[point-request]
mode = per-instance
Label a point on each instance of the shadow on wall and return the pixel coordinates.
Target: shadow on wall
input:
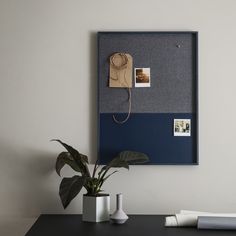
(93, 94)
(27, 186)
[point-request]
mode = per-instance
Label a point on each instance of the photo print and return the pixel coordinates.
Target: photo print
(142, 77)
(182, 127)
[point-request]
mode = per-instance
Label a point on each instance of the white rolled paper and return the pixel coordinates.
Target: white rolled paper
(190, 218)
(171, 221)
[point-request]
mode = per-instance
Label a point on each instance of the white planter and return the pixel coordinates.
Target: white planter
(96, 209)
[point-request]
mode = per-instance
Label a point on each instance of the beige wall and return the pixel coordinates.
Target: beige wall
(48, 90)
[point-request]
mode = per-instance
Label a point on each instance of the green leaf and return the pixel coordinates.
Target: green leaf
(125, 158)
(69, 188)
(63, 159)
(74, 153)
(80, 159)
(84, 158)
(133, 157)
(118, 163)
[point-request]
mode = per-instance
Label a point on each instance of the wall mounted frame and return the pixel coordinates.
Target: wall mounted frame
(173, 61)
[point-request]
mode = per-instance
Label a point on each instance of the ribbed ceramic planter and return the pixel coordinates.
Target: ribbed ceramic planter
(96, 209)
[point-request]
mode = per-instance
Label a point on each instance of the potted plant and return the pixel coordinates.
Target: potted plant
(96, 205)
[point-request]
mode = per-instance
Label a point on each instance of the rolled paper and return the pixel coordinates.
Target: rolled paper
(214, 222)
(190, 218)
(170, 221)
(179, 220)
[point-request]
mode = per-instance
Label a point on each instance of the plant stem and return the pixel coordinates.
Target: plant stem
(95, 168)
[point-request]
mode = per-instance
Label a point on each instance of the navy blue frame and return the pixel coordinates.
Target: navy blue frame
(195, 76)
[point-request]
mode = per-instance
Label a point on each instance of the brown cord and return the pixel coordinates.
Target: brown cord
(124, 61)
(119, 68)
(129, 112)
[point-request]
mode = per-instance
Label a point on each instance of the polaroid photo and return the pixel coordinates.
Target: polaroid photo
(182, 127)
(142, 77)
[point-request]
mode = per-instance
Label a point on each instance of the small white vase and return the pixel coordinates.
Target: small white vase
(96, 209)
(119, 216)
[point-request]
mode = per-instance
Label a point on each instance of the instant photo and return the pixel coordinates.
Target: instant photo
(142, 77)
(182, 127)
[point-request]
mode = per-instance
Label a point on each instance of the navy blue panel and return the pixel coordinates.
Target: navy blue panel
(149, 133)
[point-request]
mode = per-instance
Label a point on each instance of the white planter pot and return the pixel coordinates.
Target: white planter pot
(96, 209)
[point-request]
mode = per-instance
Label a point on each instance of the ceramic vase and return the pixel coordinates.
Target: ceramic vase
(119, 216)
(96, 208)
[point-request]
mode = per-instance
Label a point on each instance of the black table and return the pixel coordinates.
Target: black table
(137, 225)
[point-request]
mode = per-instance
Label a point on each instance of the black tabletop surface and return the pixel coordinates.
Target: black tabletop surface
(137, 225)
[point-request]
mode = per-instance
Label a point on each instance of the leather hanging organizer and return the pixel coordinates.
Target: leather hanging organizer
(121, 68)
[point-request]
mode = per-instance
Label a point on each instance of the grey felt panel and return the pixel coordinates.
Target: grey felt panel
(172, 72)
